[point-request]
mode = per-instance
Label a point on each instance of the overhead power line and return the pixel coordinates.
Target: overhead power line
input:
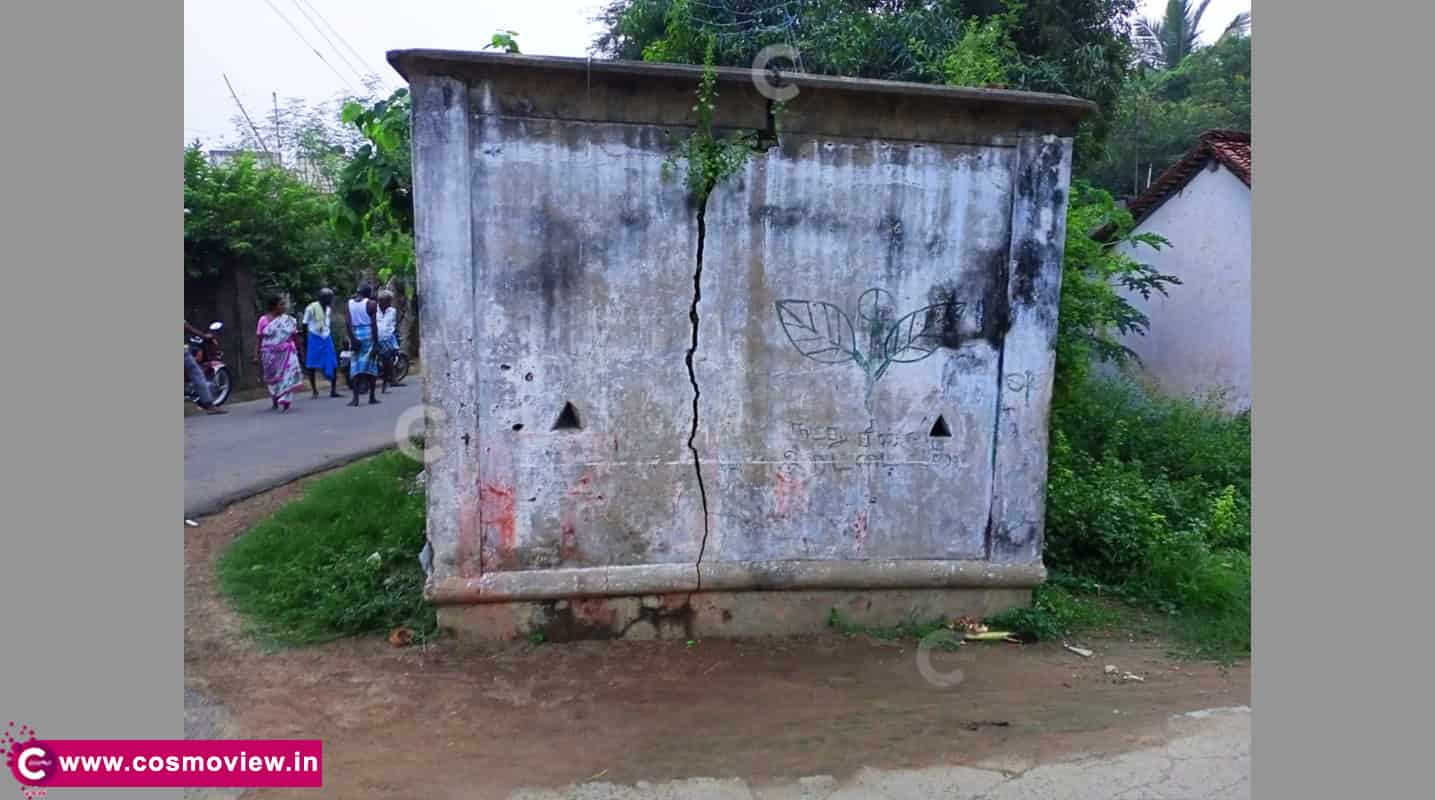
(311, 47)
(357, 56)
(330, 42)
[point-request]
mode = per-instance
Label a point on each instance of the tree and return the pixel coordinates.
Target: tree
(308, 138)
(375, 188)
(1096, 270)
(374, 211)
(1164, 43)
(250, 230)
(1077, 47)
(1160, 114)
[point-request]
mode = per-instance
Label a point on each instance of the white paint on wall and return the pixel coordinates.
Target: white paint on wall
(1200, 337)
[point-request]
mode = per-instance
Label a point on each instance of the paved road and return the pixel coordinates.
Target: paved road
(252, 448)
(1207, 758)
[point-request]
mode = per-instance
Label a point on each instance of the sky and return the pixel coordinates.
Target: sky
(269, 46)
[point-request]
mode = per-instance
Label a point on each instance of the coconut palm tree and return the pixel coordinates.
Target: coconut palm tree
(1164, 42)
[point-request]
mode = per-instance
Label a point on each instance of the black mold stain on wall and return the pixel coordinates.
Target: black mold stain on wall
(558, 266)
(1038, 188)
(894, 234)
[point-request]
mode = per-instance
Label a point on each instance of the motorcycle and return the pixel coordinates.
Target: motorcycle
(399, 366)
(211, 361)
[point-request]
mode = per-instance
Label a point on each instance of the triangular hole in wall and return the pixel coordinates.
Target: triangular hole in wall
(940, 429)
(568, 419)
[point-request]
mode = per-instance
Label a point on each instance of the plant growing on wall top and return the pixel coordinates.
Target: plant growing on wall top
(710, 158)
(504, 40)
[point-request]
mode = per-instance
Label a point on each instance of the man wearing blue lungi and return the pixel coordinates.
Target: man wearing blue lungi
(320, 355)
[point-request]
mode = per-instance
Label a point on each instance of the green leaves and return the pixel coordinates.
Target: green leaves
(1094, 313)
(503, 40)
(375, 188)
(244, 216)
(710, 159)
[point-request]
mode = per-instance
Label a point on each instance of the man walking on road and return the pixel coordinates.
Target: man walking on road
(195, 373)
(320, 356)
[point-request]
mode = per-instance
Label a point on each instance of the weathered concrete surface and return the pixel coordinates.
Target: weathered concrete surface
(717, 613)
(839, 361)
(1210, 759)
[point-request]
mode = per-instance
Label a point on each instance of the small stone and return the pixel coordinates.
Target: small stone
(1111, 669)
(652, 601)
(641, 631)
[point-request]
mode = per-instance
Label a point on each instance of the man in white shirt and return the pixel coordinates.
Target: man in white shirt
(320, 355)
(387, 321)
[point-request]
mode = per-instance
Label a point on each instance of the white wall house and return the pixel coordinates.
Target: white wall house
(1200, 336)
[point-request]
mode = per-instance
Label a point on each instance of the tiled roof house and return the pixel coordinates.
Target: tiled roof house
(1200, 337)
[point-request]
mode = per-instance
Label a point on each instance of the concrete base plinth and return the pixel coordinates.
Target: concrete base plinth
(716, 614)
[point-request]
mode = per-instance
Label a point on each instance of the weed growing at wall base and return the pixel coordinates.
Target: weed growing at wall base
(340, 561)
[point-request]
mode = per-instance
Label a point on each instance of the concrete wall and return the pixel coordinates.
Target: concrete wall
(756, 382)
(1200, 337)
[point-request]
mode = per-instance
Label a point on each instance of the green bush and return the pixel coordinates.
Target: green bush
(340, 561)
(1149, 498)
(1180, 437)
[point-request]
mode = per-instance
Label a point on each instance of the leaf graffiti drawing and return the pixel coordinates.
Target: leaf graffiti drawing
(820, 331)
(917, 335)
(824, 332)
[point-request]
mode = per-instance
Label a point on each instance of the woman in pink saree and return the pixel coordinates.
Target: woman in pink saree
(278, 355)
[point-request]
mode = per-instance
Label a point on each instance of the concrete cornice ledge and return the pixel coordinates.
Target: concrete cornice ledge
(728, 576)
(468, 64)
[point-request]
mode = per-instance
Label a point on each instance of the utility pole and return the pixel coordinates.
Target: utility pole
(278, 142)
(245, 113)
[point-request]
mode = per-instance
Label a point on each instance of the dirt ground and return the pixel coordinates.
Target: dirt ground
(449, 721)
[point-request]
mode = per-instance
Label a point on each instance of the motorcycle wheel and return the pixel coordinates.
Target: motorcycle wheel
(221, 386)
(400, 368)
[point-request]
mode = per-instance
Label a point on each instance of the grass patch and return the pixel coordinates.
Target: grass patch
(1057, 612)
(340, 561)
(1219, 628)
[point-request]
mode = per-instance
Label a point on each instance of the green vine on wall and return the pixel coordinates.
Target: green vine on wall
(710, 158)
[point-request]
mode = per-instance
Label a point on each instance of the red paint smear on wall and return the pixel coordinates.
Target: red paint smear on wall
(580, 495)
(568, 542)
(786, 494)
(499, 515)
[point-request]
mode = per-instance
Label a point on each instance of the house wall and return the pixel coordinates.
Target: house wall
(1200, 336)
(757, 380)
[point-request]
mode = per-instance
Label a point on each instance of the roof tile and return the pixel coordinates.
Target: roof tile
(1231, 148)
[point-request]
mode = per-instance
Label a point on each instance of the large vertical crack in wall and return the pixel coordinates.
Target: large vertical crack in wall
(693, 378)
